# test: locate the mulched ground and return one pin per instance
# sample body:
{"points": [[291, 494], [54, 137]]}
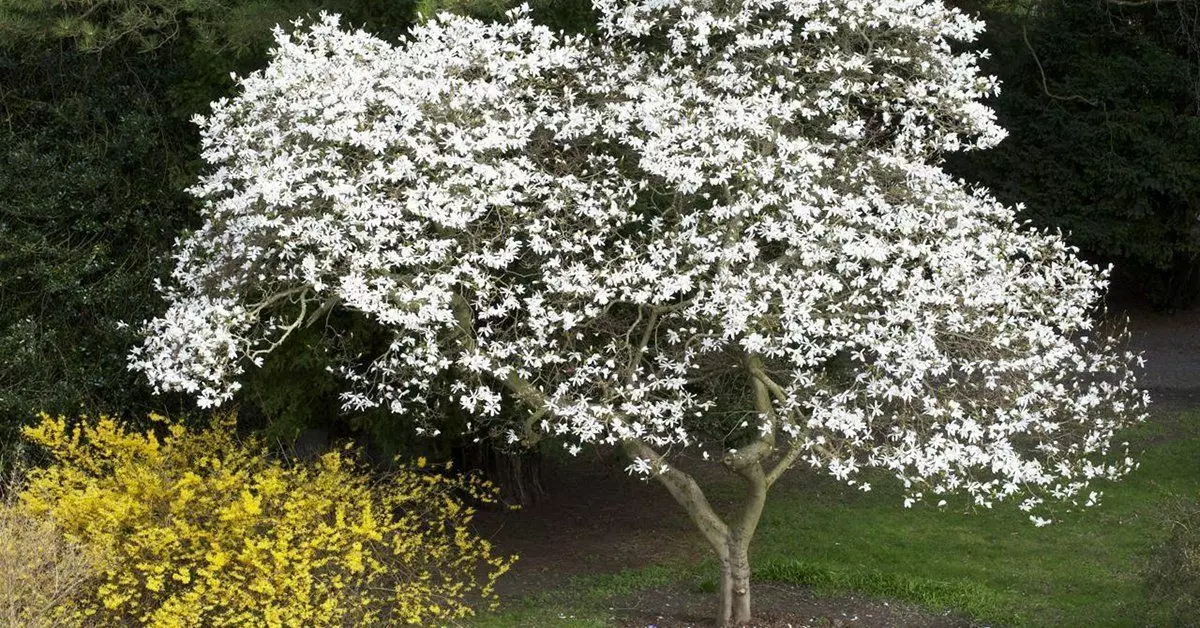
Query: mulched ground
{"points": [[595, 519], [598, 520], [1170, 343], [778, 606]]}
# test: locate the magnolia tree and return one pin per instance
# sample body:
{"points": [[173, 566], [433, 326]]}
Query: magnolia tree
{"points": [[716, 226]]}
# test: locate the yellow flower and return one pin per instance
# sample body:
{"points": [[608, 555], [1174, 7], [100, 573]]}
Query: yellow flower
{"points": [[200, 528]]}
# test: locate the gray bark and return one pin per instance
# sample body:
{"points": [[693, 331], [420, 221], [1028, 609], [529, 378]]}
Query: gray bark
{"points": [[730, 542], [735, 583]]}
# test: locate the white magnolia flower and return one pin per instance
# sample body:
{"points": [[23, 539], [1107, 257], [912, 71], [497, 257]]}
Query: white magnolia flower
{"points": [[584, 232]]}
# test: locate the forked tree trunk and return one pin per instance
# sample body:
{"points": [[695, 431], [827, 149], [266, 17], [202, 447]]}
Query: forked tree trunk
{"points": [[731, 542]]}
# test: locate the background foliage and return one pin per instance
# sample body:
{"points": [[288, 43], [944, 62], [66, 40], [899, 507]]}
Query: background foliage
{"points": [[95, 102], [91, 182], [1102, 103]]}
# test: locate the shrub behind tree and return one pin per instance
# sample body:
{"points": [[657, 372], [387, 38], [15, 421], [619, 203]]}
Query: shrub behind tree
{"points": [[1102, 103]]}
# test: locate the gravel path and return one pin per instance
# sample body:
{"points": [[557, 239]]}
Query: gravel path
{"points": [[1170, 343]]}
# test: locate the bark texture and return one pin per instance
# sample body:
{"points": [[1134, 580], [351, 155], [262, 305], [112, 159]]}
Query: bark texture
{"points": [[730, 541]]}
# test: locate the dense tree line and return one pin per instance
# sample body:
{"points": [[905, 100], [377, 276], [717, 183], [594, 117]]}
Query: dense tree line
{"points": [[1101, 98], [95, 107], [1102, 102]]}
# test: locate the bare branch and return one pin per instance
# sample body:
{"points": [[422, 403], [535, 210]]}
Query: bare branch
{"points": [[325, 308], [291, 327], [762, 446], [686, 492], [640, 349], [783, 464], [258, 308], [1042, 73]]}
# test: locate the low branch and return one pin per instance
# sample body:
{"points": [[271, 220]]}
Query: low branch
{"points": [[776, 390], [686, 492], [783, 464], [258, 308], [325, 308], [525, 392], [291, 327], [762, 446], [674, 307]]}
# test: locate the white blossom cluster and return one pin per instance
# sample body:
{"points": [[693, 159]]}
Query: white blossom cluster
{"points": [[582, 231]]}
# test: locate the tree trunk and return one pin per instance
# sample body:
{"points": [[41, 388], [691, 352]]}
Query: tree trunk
{"points": [[735, 583], [730, 541], [518, 475]]}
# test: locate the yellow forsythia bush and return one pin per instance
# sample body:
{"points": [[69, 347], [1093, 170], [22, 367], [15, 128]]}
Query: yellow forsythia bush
{"points": [[200, 528]]}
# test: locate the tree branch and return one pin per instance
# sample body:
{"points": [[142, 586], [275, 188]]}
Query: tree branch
{"points": [[291, 327], [1042, 71], [686, 492], [752, 511], [636, 358], [325, 308], [258, 308], [762, 446], [783, 464]]}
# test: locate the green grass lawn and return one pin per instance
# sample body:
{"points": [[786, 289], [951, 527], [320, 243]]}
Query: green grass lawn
{"points": [[994, 566], [990, 565]]}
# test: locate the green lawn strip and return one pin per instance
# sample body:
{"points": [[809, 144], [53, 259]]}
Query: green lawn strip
{"points": [[585, 601], [992, 565], [965, 597]]}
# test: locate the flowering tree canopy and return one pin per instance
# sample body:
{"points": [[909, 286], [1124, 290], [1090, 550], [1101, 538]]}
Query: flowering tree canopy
{"points": [[601, 233]]}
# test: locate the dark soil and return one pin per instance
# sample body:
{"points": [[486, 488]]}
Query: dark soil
{"points": [[598, 520], [777, 606], [595, 520]]}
